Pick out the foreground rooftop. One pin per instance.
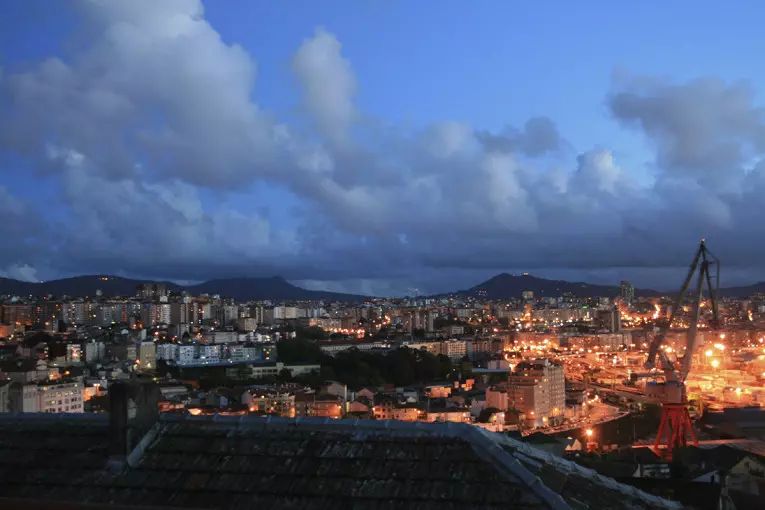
(252, 462)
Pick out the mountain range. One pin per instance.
(241, 289)
(501, 287)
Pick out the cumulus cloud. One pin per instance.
(156, 111)
(539, 136)
(328, 83)
(706, 129)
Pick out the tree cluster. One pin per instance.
(358, 369)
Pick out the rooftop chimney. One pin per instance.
(133, 411)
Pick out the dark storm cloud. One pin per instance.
(156, 109)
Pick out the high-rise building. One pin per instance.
(537, 389)
(609, 319)
(152, 291)
(627, 292)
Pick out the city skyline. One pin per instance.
(187, 142)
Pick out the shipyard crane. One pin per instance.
(675, 426)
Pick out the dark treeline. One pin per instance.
(357, 369)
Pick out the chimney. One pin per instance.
(133, 411)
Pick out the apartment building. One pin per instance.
(66, 397)
(536, 389)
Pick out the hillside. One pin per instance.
(241, 289)
(501, 287)
(507, 286)
(276, 288)
(743, 291)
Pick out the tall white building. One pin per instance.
(47, 398)
(285, 312)
(94, 351)
(146, 355)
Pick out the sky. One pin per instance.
(381, 146)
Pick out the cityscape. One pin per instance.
(400, 255)
(555, 372)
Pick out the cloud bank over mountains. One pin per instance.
(153, 123)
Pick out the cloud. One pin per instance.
(328, 84)
(24, 273)
(705, 129)
(156, 113)
(539, 136)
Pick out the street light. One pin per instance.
(589, 433)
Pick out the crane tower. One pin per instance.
(675, 427)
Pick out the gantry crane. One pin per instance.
(675, 420)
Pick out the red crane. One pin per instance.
(675, 426)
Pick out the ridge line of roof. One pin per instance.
(571, 467)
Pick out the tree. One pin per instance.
(400, 366)
(419, 333)
(312, 333)
(445, 366)
(427, 366)
(327, 373)
(299, 350)
(37, 338)
(486, 413)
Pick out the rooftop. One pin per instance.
(251, 462)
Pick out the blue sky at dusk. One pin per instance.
(380, 146)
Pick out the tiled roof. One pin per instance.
(250, 462)
(50, 453)
(239, 464)
(580, 487)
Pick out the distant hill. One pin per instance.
(276, 288)
(507, 286)
(743, 291)
(241, 289)
(501, 287)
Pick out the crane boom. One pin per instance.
(659, 339)
(675, 421)
(704, 277)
